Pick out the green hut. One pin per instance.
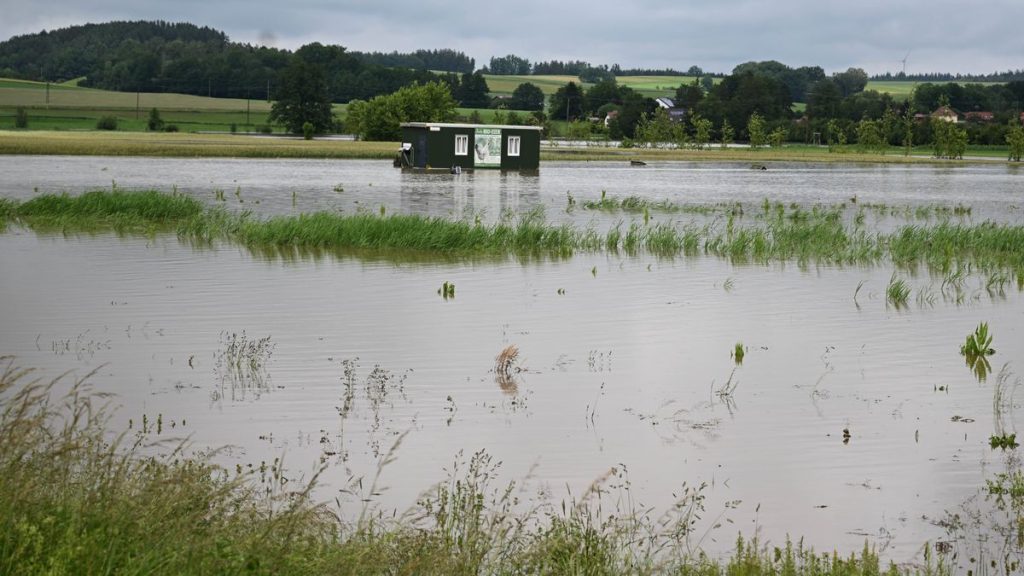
(441, 146)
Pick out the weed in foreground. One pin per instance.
(74, 499)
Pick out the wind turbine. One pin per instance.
(904, 61)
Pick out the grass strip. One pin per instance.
(184, 145)
(776, 233)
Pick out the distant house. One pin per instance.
(675, 113)
(979, 117)
(612, 115)
(946, 114)
(1022, 117)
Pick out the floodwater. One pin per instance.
(624, 361)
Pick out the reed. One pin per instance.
(818, 234)
(114, 209)
(897, 292)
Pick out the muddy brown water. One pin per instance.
(624, 359)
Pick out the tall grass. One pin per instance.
(102, 209)
(75, 499)
(819, 234)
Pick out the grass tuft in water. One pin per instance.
(738, 353)
(897, 292)
(116, 209)
(978, 343)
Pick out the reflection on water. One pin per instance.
(837, 425)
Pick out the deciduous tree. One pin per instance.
(527, 96)
(567, 102)
(302, 97)
(1015, 139)
(380, 117)
(757, 130)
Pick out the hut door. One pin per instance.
(420, 150)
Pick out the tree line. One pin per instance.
(1006, 76)
(184, 58)
(512, 65)
(443, 60)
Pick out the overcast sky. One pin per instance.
(940, 35)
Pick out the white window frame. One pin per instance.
(514, 143)
(462, 144)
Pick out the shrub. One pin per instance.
(307, 130)
(107, 123)
(21, 118)
(265, 129)
(171, 128)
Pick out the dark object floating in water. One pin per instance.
(637, 163)
(758, 167)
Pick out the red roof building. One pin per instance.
(979, 117)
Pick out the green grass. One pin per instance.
(487, 115)
(19, 93)
(897, 292)
(32, 85)
(69, 107)
(648, 85)
(185, 120)
(120, 210)
(773, 233)
(638, 204)
(901, 89)
(77, 498)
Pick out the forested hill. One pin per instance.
(188, 59)
(76, 51)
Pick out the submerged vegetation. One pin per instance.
(75, 499)
(773, 233)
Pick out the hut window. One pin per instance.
(461, 144)
(513, 145)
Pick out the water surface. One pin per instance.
(625, 359)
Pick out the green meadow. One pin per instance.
(69, 107)
(653, 86)
(901, 89)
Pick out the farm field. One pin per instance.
(901, 89)
(649, 85)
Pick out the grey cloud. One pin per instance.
(942, 35)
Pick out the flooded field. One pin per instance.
(851, 417)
